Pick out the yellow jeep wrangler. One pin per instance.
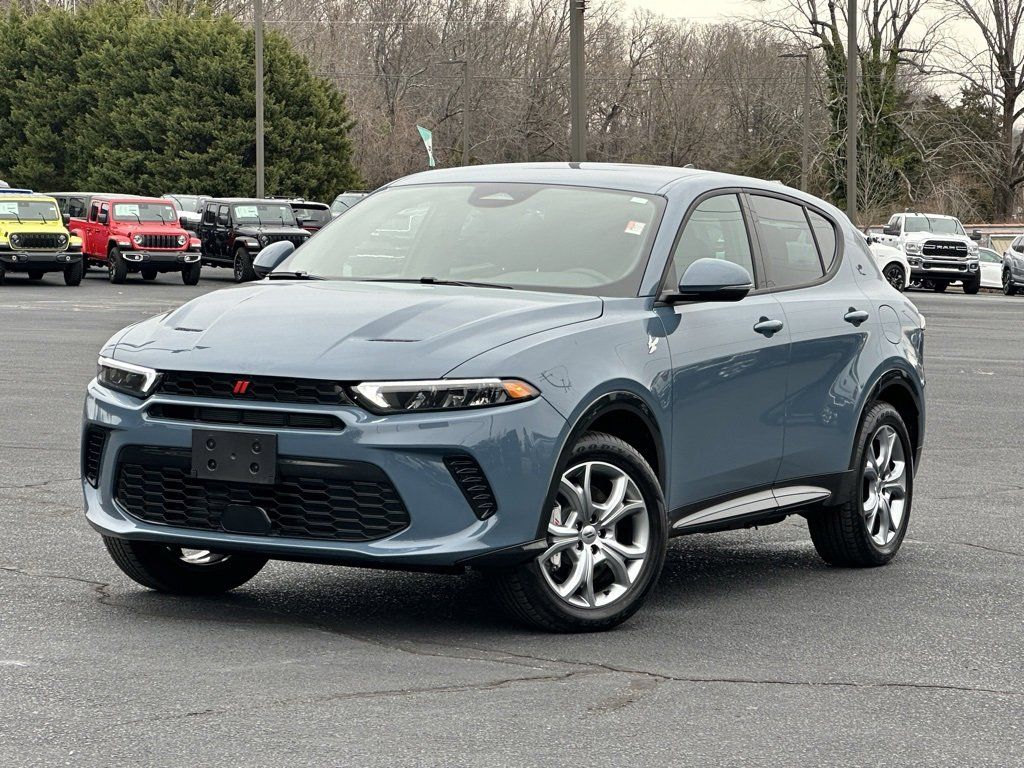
(34, 238)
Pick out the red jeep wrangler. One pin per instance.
(137, 234)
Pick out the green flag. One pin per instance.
(428, 142)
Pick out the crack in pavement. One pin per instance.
(101, 587)
(41, 484)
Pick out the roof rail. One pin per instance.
(9, 191)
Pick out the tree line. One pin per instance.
(937, 117)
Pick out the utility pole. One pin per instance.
(577, 91)
(465, 86)
(258, 28)
(805, 143)
(852, 116)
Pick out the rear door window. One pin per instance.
(787, 243)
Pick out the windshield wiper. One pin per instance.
(297, 275)
(437, 281)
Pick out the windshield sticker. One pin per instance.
(635, 228)
(7, 207)
(245, 211)
(126, 209)
(640, 200)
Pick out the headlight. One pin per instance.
(972, 249)
(441, 394)
(137, 239)
(182, 239)
(913, 247)
(62, 239)
(15, 239)
(263, 239)
(130, 379)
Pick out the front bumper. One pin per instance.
(164, 261)
(517, 446)
(923, 267)
(30, 261)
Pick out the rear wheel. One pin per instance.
(35, 274)
(190, 274)
(972, 286)
(606, 538)
(117, 267)
(895, 276)
(148, 273)
(243, 266)
(73, 273)
(1009, 288)
(867, 528)
(182, 571)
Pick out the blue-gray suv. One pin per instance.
(541, 371)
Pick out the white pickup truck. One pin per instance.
(938, 250)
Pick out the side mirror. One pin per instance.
(270, 258)
(102, 218)
(976, 236)
(66, 218)
(893, 230)
(183, 222)
(712, 280)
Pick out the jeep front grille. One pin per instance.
(39, 241)
(296, 240)
(160, 241)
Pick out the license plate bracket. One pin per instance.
(234, 457)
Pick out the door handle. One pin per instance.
(855, 316)
(768, 328)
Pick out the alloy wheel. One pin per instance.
(885, 486)
(894, 276)
(198, 556)
(599, 536)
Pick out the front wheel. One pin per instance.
(149, 273)
(73, 273)
(243, 266)
(117, 267)
(190, 273)
(938, 286)
(35, 274)
(868, 526)
(972, 287)
(895, 276)
(1009, 288)
(180, 571)
(606, 538)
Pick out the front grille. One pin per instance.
(160, 241)
(245, 417)
(297, 239)
(268, 389)
(312, 499)
(951, 249)
(473, 483)
(93, 442)
(39, 241)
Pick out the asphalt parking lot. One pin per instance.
(750, 652)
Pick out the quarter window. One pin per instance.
(786, 242)
(715, 230)
(825, 234)
(76, 207)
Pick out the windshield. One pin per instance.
(312, 215)
(934, 224)
(28, 210)
(566, 239)
(188, 203)
(151, 212)
(264, 213)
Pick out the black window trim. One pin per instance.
(840, 238)
(760, 286)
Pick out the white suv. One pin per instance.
(937, 248)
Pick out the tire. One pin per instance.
(117, 267)
(618, 584)
(1009, 288)
(73, 273)
(972, 287)
(190, 273)
(938, 286)
(243, 266)
(845, 535)
(895, 276)
(165, 569)
(148, 273)
(35, 275)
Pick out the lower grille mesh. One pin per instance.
(345, 501)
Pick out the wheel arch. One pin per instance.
(897, 388)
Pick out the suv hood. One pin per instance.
(277, 230)
(345, 330)
(920, 237)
